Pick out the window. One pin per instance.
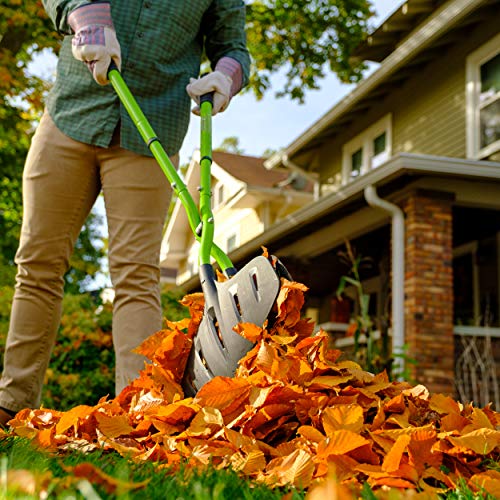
(379, 150)
(368, 150)
(483, 100)
(356, 163)
(220, 194)
(231, 243)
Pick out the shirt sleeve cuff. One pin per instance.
(89, 14)
(232, 68)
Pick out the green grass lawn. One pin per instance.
(28, 473)
(39, 470)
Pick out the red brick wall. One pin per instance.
(429, 288)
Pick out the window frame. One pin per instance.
(236, 241)
(474, 62)
(364, 141)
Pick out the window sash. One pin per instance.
(483, 98)
(364, 144)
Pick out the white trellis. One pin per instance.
(475, 367)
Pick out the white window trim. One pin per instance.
(486, 52)
(364, 141)
(217, 201)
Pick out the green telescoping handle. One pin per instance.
(207, 219)
(205, 222)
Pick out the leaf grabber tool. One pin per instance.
(247, 295)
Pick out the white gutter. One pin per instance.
(398, 274)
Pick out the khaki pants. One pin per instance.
(61, 181)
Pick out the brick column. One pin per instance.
(429, 288)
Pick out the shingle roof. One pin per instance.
(249, 169)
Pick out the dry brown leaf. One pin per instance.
(392, 460)
(480, 441)
(110, 484)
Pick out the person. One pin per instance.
(86, 143)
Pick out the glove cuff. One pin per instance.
(231, 68)
(90, 14)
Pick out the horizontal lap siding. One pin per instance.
(432, 120)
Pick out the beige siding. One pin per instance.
(434, 122)
(429, 115)
(250, 226)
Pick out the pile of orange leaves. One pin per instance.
(295, 413)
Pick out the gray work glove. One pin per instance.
(216, 82)
(95, 41)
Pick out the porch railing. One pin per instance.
(477, 360)
(476, 366)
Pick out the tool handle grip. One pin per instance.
(112, 66)
(208, 97)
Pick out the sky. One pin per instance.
(271, 123)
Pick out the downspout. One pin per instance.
(398, 274)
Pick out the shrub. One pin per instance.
(81, 369)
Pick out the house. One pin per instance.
(247, 199)
(409, 171)
(407, 168)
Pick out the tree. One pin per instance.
(230, 145)
(25, 30)
(305, 38)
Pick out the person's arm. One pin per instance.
(58, 11)
(223, 28)
(94, 42)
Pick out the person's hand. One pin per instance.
(95, 41)
(216, 82)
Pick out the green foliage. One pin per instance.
(230, 145)
(373, 355)
(14, 143)
(82, 363)
(25, 30)
(81, 369)
(173, 310)
(463, 492)
(86, 260)
(366, 350)
(305, 39)
(6, 293)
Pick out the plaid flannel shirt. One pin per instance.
(161, 44)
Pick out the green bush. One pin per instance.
(6, 293)
(81, 369)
